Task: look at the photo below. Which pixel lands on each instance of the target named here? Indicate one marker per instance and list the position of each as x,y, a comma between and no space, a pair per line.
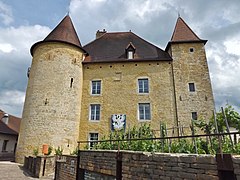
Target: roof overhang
56,41
180,42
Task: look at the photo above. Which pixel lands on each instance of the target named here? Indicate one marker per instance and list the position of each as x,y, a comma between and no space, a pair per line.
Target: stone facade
191,67
119,94
52,106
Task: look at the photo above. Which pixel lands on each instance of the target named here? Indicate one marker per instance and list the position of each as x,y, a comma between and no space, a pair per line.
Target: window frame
190,87
130,54
139,115
95,112
4,146
143,88
92,141
94,92
194,115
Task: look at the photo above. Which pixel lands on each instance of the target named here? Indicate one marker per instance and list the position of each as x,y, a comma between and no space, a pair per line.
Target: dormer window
130,51
130,55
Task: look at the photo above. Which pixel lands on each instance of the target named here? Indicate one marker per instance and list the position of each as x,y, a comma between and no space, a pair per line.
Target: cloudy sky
22,23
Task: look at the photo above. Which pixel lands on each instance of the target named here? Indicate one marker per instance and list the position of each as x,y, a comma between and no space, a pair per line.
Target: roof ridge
104,35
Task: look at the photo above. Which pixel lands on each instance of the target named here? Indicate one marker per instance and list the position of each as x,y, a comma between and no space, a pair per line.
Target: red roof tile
13,125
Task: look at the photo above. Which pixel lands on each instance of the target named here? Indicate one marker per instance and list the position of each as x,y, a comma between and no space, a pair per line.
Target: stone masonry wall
119,94
140,165
236,166
53,100
35,165
192,67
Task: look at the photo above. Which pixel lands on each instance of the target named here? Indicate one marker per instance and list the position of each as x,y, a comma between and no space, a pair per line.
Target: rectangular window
191,87
144,111
130,54
95,112
4,147
143,86
92,138
96,87
194,115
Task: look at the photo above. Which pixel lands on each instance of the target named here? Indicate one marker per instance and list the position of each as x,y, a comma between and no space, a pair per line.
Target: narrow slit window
71,83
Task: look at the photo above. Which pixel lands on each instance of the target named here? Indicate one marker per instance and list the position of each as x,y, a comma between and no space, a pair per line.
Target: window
191,49
144,111
92,138
95,112
143,86
130,55
130,51
96,87
194,115
4,147
191,87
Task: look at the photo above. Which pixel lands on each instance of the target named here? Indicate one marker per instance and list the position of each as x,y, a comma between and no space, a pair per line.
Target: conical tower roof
183,34
63,32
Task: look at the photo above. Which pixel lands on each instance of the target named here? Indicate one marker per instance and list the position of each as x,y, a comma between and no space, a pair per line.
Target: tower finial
179,14
68,8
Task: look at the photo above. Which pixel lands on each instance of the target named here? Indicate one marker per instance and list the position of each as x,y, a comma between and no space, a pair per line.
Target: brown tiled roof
63,32
111,47
13,125
183,32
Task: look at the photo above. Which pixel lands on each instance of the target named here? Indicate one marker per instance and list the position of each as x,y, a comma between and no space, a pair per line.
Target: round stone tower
51,113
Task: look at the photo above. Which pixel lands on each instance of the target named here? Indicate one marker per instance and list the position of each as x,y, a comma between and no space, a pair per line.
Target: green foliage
35,151
232,116
208,145
50,148
74,152
59,151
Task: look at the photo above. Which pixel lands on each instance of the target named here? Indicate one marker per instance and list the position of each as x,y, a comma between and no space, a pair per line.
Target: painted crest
118,122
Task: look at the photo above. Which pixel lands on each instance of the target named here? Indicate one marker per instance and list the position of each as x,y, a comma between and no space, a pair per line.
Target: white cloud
6,13
233,45
12,102
6,48
15,43
22,38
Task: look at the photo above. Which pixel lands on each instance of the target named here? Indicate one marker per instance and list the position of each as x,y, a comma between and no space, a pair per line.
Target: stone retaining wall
35,165
142,165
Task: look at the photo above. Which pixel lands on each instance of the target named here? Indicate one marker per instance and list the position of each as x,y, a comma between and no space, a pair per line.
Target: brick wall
142,165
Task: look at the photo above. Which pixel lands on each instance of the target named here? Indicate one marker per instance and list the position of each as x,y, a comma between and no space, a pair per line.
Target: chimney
5,118
100,33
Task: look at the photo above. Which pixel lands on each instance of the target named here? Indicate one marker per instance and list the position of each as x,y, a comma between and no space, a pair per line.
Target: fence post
78,163
119,166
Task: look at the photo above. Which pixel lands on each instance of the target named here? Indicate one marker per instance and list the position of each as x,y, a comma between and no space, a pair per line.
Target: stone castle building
118,80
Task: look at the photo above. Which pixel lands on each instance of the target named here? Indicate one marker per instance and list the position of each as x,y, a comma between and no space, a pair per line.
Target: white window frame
130,54
139,116
143,78
95,112
91,144
96,89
